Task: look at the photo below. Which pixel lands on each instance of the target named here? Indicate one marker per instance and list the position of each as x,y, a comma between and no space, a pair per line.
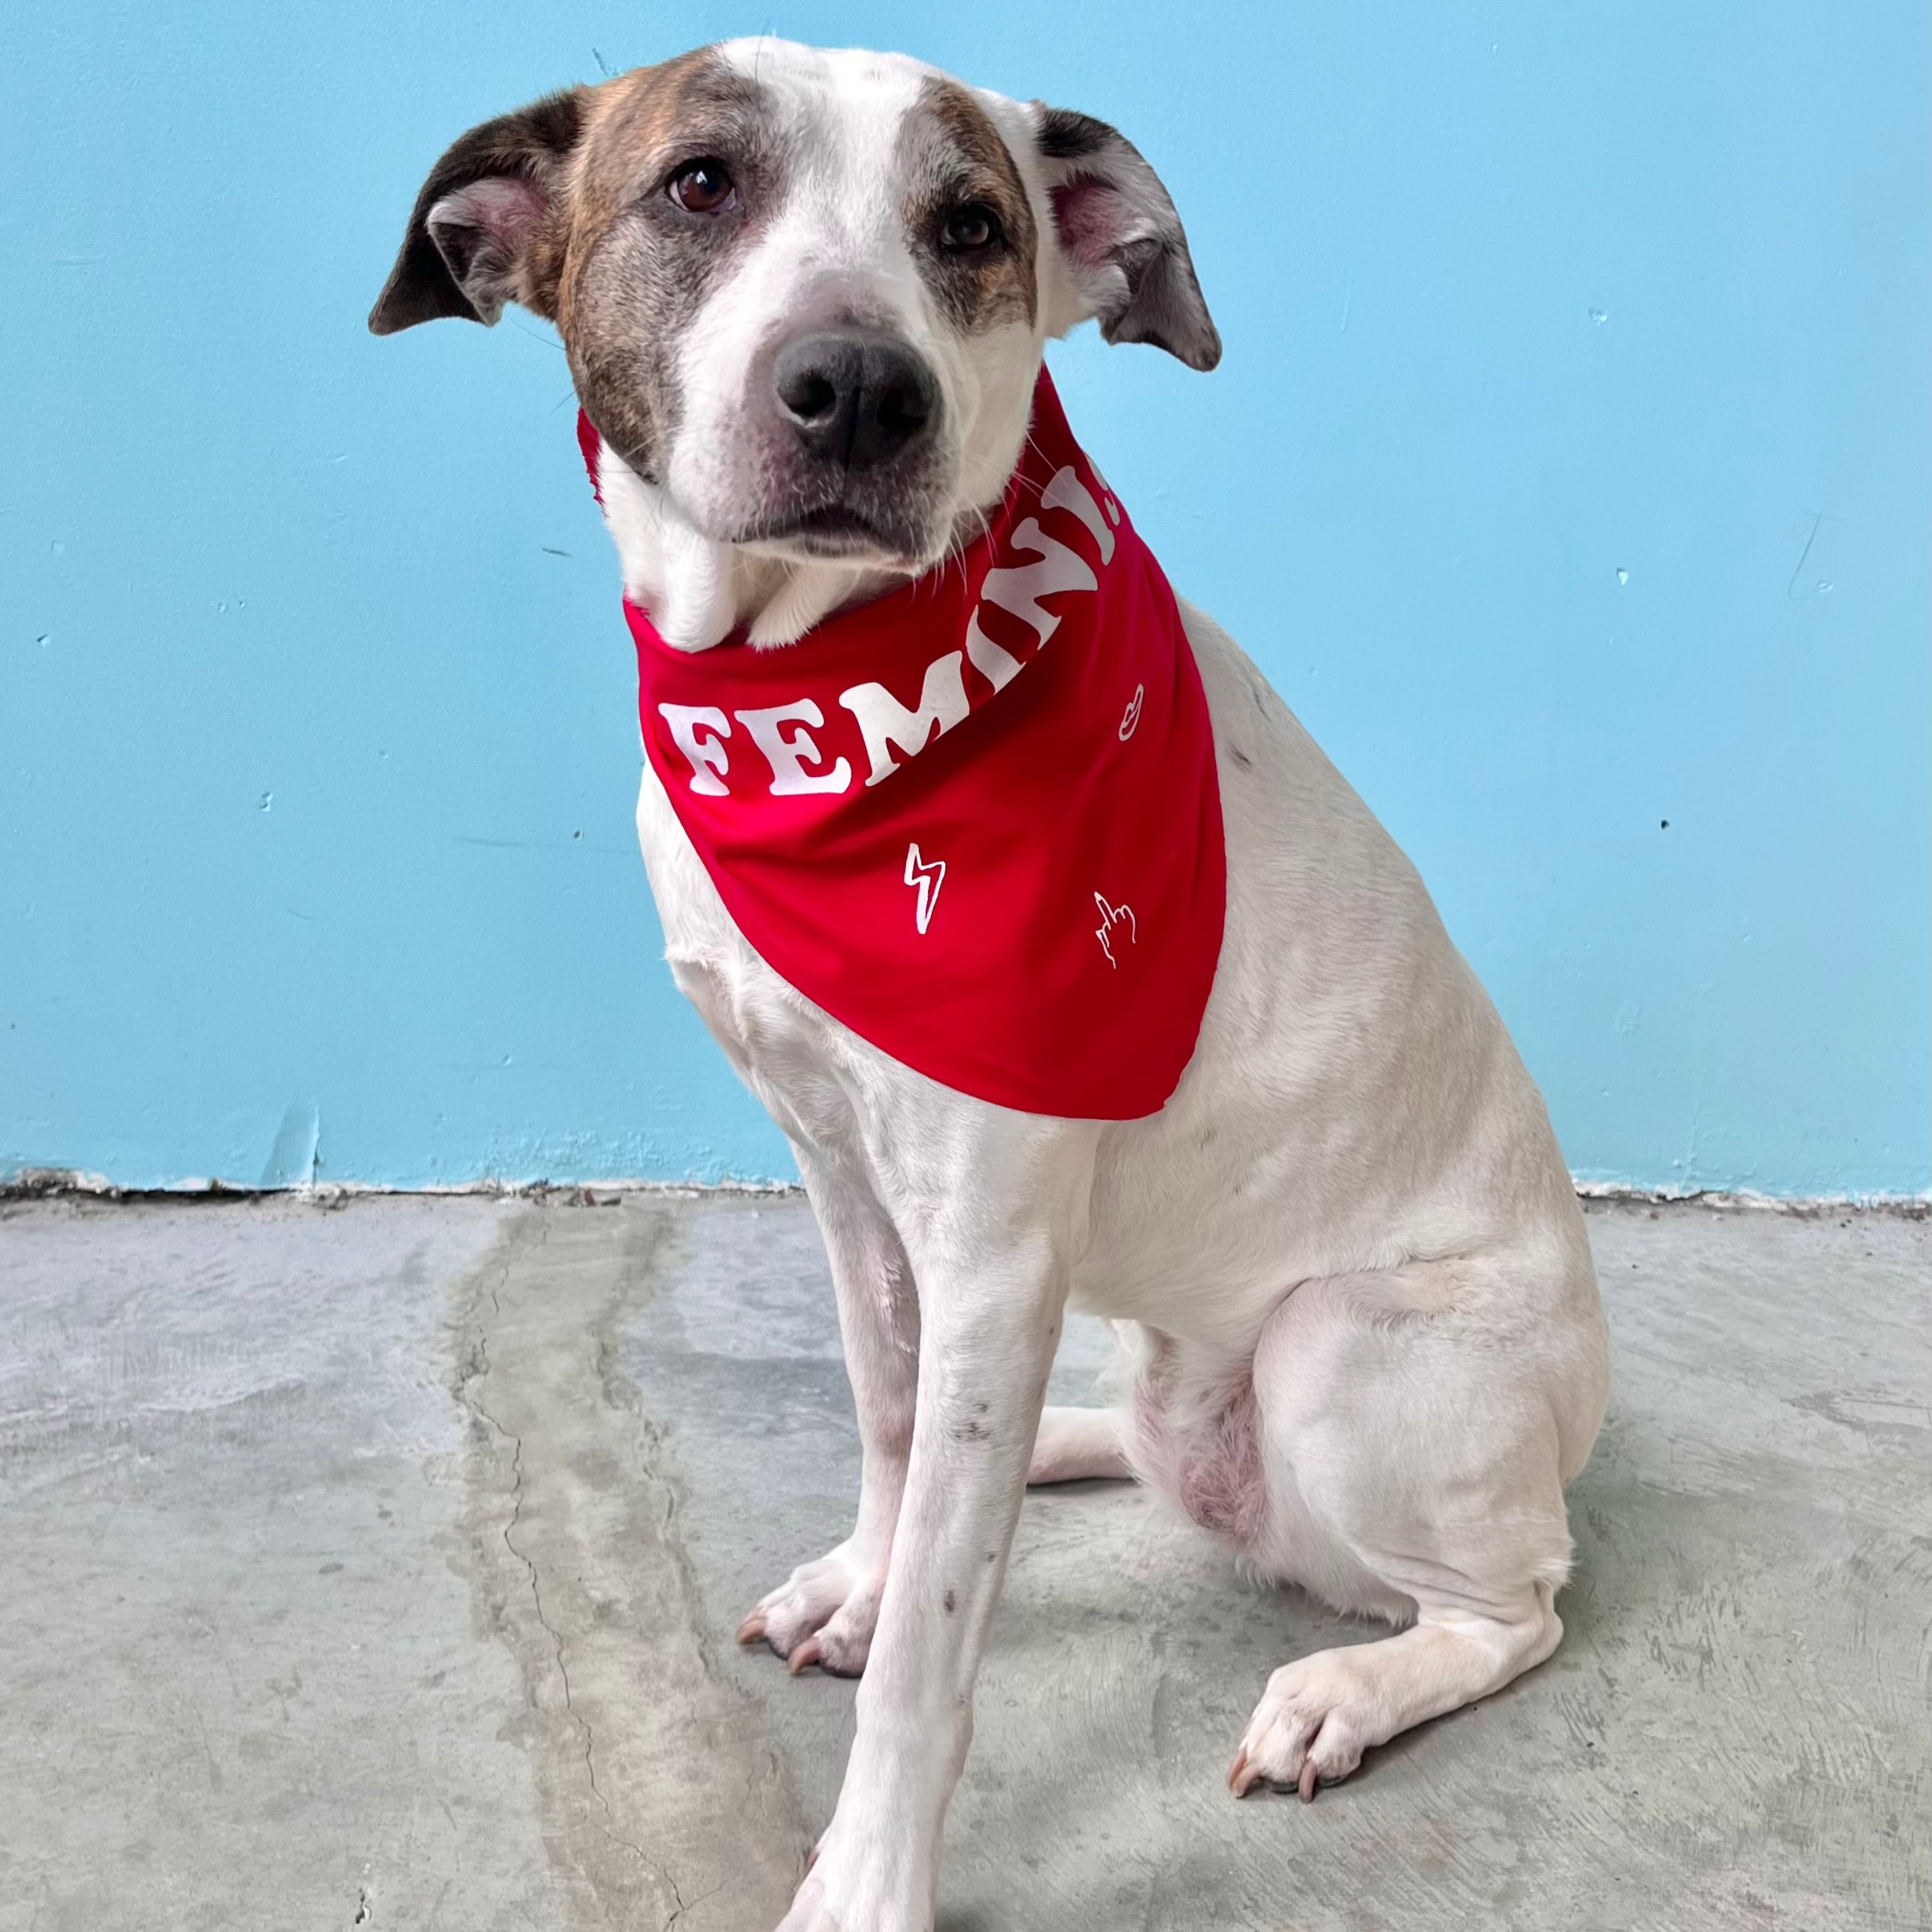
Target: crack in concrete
538,1372
528,1563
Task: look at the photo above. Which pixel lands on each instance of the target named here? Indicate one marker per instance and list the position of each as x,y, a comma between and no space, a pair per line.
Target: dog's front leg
826,1611
993,1217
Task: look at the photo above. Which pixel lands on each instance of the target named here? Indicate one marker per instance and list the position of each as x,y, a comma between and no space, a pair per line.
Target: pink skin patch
1087,217
1202,1450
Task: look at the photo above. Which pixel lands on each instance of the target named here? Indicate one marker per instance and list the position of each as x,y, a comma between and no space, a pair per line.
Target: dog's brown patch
950,153
635,267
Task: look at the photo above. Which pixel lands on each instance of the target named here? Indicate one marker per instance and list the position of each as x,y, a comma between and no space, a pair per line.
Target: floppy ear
1121,239
477,232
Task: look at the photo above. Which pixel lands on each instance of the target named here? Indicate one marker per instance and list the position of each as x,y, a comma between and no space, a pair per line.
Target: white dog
1346,1256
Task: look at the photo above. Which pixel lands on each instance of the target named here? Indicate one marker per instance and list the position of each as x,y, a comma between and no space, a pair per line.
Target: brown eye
966,230
700,187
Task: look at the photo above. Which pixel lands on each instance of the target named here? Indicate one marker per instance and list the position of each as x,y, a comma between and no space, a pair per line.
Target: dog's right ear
485,228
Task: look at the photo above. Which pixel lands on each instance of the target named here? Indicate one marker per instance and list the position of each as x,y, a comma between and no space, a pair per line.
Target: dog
1346,1259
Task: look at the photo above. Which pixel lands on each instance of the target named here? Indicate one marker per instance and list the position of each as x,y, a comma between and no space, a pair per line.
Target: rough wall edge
55,1184
1806,1206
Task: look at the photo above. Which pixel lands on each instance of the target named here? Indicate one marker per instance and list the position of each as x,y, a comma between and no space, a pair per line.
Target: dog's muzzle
855,447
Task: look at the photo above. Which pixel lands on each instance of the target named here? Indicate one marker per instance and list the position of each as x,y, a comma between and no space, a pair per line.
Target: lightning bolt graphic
928,877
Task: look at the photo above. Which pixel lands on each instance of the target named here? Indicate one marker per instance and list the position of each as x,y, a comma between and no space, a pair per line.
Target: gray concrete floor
376,1565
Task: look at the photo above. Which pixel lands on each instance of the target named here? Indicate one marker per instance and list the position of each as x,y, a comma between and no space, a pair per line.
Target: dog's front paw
824,1614
1313,1723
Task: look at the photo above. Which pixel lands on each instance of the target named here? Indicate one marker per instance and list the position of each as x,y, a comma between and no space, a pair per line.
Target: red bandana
1030,910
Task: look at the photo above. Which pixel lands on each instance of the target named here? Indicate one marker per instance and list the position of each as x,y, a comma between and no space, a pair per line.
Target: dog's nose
855,397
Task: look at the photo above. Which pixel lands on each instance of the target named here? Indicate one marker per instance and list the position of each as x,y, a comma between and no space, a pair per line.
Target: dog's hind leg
1319,1715
1079,1445
1417,1426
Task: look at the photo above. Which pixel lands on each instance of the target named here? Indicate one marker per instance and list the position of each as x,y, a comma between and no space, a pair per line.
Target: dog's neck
696,590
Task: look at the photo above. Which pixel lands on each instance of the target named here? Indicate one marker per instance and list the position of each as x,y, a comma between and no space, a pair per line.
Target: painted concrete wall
1567,472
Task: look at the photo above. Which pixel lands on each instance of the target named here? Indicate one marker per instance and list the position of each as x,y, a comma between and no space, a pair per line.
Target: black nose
854,396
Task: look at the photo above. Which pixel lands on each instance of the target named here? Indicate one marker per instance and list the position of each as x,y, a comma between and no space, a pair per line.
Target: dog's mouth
840,532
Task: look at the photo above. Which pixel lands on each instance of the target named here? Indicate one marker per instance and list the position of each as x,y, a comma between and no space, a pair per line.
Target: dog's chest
789,1052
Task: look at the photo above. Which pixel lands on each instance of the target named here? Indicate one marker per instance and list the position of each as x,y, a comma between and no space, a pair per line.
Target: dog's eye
701,187
966,230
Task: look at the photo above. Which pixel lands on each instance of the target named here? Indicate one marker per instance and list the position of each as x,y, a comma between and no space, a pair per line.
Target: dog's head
804,294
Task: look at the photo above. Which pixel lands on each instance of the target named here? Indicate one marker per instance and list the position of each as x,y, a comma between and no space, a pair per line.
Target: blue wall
1567,472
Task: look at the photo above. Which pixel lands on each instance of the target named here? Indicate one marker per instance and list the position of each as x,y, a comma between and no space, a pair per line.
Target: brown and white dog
805,296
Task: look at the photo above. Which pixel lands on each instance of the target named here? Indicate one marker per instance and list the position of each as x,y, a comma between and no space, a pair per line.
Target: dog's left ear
1122,244
477,234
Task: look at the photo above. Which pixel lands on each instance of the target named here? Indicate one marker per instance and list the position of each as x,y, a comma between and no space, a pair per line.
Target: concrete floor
376,1565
